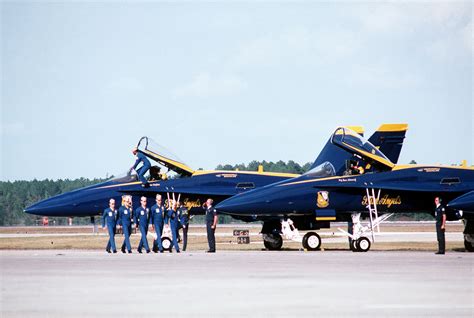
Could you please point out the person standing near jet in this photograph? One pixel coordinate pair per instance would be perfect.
(125, 220)
(183, 217)
(440, 215)
(110, 217)
(139, 157)
(157, 216)
(141, 217)
(172, 220)
(211, 223)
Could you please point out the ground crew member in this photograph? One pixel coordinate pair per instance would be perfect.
(172, 220)
(110, 217)
(157, 216)
(125, 221)
(183, 217)
(141, 217)
(211, 223)
(143, 169)
(440, 215)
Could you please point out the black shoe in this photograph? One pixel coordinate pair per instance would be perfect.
(148, 251)
(211, 251)
(161, 251)
(171, 251)
(129, 252)
(115, 251)
(108, 251)
(178, 252)
(139, 251)
(123, 249)
(439, 253)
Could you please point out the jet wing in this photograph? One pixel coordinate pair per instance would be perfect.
(163, 156)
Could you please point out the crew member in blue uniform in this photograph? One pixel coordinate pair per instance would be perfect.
(125, 221)
(139, 157)
(141, 217)
(211, 223)
(172, 220)
(157, 216)
(109, 217)
(440, 215)
(184, 222)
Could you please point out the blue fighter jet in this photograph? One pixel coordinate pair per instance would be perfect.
(328, 193)
(192, 187)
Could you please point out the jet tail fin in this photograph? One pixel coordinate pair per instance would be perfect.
(389, 140)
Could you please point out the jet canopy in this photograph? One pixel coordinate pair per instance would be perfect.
(355, 143)
(163, 156)
(324, 170)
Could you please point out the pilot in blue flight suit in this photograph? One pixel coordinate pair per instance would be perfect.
(141, 218)
(140, 157)
(157, 215)
(172, 220)
(184, 221)
(110, 217)
(125, 220)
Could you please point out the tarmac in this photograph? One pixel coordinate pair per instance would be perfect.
(72, 283)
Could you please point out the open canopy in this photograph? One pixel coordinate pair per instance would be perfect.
(158, 153)
(355, 143)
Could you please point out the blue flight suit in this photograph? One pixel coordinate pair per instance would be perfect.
(110, 217)
(184, 221)
(172, 220)
(141, 217)
(144, 168)
(125, 220)
(211, 239)
(157, 216)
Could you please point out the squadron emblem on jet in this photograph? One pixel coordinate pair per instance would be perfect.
(323, 199)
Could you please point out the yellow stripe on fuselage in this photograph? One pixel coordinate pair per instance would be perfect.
(270, 174)
(326, 218)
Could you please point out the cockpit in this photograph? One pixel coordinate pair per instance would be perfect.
(324, 170)
(365, 153)
(161, 159)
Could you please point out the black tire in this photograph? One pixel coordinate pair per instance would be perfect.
(312, 241)
(363, 244)
(353, 246)
(468, 245)
(166, 243)
(272, 242)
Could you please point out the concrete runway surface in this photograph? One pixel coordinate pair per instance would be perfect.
(69, 283)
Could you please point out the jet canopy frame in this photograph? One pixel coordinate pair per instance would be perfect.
(163, 156)
(352, 142)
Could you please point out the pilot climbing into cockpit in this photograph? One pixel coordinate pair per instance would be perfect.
(143, 169)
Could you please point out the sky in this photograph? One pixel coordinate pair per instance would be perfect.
(228, 81)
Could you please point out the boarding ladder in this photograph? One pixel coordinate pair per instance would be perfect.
(372, 202)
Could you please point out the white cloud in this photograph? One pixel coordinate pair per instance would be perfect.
(206, 85)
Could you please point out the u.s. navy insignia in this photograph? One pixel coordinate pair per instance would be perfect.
(323, 199)
(110, 213)
(142, 212)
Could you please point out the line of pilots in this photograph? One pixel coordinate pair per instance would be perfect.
(160, 217)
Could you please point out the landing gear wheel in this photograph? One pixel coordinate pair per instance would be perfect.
(311, 241)
(468, 245)
(353, 246)
(272, 242)
(166, 243)
(363, 244)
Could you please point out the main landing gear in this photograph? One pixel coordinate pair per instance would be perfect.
(273, 240)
